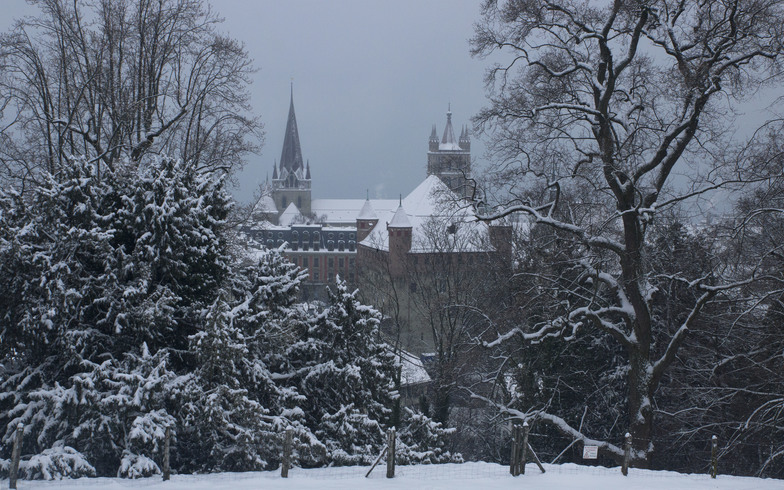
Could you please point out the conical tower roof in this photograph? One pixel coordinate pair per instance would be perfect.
(400, 219)
(291, 155)
(367, 212)
(448, 142)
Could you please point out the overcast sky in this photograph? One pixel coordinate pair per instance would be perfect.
(370, 78)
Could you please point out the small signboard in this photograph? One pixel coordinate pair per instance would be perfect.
(590, 452)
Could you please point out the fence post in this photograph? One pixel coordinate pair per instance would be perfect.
(166, 450)
(286, 461)
(627, 452)
(15, 454)
(391, 453)
(714, 456)
(515, 448)
(524, 448)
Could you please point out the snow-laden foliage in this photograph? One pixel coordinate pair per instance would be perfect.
(345, 374)
(124, 314)
(423, 441)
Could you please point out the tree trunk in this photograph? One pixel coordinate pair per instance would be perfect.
(640, 409)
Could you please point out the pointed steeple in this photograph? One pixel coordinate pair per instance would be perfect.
(449, 135)
(307, 172)
(275, 171)
(433, 134)
(291, 156)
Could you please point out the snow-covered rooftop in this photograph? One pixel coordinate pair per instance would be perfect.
(400, 219)
(346, 211)
(440, 221)
(412, 371)
(367, 211)
(289, 215)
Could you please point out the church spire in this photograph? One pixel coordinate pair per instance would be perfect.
(291, 156)
(449, 133)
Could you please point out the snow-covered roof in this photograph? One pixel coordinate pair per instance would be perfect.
(449, 147)
(346, 211)
(265, 205)
(412, 371)
(440, 221)
(289, 215)
(400, 219)
(367, 211)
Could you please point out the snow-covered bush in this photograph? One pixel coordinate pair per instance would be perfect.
(55, 464)
(137, 466)
(423, 441)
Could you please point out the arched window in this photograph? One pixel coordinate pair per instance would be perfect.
(283, 202)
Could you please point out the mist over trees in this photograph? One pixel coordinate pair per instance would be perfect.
(609, 120)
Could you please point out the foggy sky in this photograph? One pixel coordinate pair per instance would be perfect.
(370, 78)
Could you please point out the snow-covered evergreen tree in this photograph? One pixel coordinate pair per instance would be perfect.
(344, 372)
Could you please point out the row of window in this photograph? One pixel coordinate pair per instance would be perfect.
(306, 235)
(305, 262)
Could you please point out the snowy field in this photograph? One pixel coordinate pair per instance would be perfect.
(484, 476)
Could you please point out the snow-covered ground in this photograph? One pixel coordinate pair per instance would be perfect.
(485, 476)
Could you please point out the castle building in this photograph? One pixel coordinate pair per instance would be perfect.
(378, 243)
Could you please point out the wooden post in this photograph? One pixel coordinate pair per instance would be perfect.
(627, 453)
(714, 456)
(286, 461)
(391, 453)
(15, 454)
(166, 450)
(524, 447)
(513, 459)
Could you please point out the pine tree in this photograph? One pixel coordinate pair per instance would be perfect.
(344, 371)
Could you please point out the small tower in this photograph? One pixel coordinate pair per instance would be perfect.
(450, 159)
(366, 220)
(400, 231)
(465, 140)
(291, 179)
(433, 139)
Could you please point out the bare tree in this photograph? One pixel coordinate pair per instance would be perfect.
(628, 101)
(116, 80)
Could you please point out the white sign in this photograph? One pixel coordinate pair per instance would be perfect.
(590, 452)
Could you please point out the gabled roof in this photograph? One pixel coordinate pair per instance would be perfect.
(288, 215)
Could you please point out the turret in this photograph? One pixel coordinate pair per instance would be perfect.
(465, 141)
(366, 220)
(433, 140)
(400, 231)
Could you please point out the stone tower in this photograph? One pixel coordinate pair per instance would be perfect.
(291, 176)
(450, 158)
